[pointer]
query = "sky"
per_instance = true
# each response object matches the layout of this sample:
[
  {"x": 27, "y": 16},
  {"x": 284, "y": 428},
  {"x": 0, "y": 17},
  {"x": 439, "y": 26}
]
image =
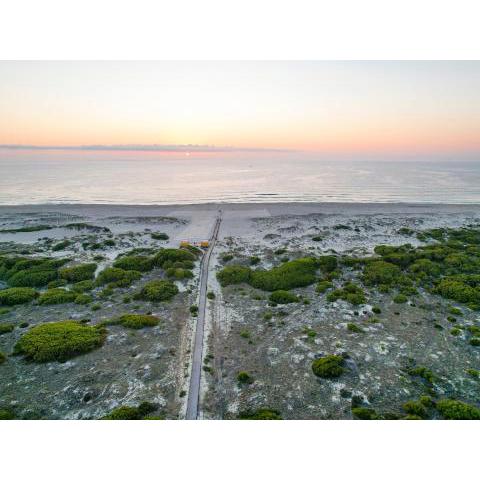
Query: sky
[{"x": 385, "y": 108}]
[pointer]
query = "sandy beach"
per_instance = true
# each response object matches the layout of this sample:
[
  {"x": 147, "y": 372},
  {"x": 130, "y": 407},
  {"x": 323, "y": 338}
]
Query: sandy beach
[{"x": 153, "y": 364}]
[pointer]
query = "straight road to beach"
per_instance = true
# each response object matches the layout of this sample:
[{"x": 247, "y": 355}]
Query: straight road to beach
[{"x": 194, "y": 390}]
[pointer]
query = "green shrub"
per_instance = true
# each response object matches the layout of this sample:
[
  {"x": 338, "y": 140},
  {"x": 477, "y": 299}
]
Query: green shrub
[
  {"x": 32, "y": 278},
  {"x": 456, "y": 410},
  {"x": 178, "y": 273},
  {"x": 283, "y": 297},
  {"x": 83, "y": 286},
  {"x": 475, "y": 342},
  {"x": 474, "y": 373},
  {"x": 117, "y": 277},
  {"x": 323, "y": 286},
  {"x": 456, "y": 290},
  {"x": 61, "y": 245},
  {"x": 426, "y": 401},
  {"x": 17, "y": 295},
  {"x": 59, "y": 282},
  {"x": 363, "y": 413},
  {"x": 7, "y": 414},
  {"x": 422, "y": 372},
  {"x": 131, "y": 413},
  {"x": 455, "y": 332},
  {"x": 352, "y": 327},
  {"x": 426, "y": 267},
  {"x": 56, "y": 296},
  {"x": 400, "y": 298},
  {"x": 233, "y": 274},
  {"x": 376, "y": 310},
  {"x": 33, "y": 228},
  {"x": 210, "y": 295},
  {"x": 350, "y": 293},
  {"x": 245, "y": 378},
  {"x": 158, "y": 291},
  {"x": 78, "y": 273},
  {"x": 455, "y": 311},
  {"x": 138, "y": 263},
  {"x": 172, "y": 255},
  {"x": 137, "y": 321},
  {"x": 3, "y": 358},
  {"x": 380, "y": 272},
  {"x": 6, "y": 328},
  {"x": 159, "y": 236},
  {"x": 415, "y": 408},
  {"x": 83, "y": 299},
  {"x": 245, "y": 334},
  {"x": 292, "y": 274},
  {"x": 59, "y": 341},
  {"x": 260, "y": 414},
  {"x": 194, "y": 310},
  {"x": 330, "y": 366}
]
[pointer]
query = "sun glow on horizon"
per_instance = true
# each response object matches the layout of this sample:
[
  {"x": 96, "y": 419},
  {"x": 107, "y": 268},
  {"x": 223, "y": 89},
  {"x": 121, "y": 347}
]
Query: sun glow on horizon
[{"x": 327, "y": 107}]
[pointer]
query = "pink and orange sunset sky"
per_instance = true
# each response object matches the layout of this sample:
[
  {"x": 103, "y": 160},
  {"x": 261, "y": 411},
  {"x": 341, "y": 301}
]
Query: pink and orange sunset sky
[{"x": 330, "y": 107}]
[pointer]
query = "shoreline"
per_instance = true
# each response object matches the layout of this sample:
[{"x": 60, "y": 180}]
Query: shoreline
[{"x": 240, "y": 205}]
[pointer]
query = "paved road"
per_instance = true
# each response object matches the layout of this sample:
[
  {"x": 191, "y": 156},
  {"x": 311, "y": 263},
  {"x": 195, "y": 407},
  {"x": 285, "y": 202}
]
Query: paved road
[{"x": 194, "y": 389}]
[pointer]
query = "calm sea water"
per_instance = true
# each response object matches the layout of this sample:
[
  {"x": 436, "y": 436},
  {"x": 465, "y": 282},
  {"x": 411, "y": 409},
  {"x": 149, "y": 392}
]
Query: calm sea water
[{"x": 142, "y": 178}]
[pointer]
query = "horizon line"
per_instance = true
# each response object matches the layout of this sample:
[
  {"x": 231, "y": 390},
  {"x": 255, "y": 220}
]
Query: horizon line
[{"x": 182, "y": 148}]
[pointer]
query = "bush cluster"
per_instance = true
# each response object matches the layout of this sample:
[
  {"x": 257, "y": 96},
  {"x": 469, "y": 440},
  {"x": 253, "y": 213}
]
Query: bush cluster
[
  {"x": 131, "y": 413},
  {"x": 260, "y": 414},
  {"x": 283, "y": 297},
  {"x": 17, "y": 295},
  {"x": 139, "y": 263},
  {"x": 157, "y": 291},
  {"x": 323, "y": 286},
  {"x": 117, "y": 277},
  {"x": 350, "y": 293},
  {"x": 330, "y": 366},
  {"x": 159, "y": 236},
  {"x": 457, "y": 410},
  {"x": 29, "y": 272},
  {"x": 6, "y": 328},
  {"x": 291, "y": 274},
  {"x": 245, "y": 378},
  {"x": 167, "y": 257},
  {"x": 78, "y": 273},
  {"x": 56, "y": 296},
  {"x": 59, "y": 341},
  {"x": 138, "y": 321}
]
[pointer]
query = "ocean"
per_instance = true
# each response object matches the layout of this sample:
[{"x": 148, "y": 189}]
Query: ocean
[{"x": 144, "y": 178}]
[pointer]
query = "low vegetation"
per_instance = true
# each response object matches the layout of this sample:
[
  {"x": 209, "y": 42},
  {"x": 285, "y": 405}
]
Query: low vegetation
[
  {"x": 117, "y": 277},
  {"x": 283, "y": 297},
  {"x": 157, "y": 291},
  {"x": 288, "y": 275},
  {"x": 260, "y": 414},
  {"x": 56, "y": 296},
  {"x": 456, "y": 410},
  {"x": 131, "y": 413},
  {"x": 6, "y": 328},
  {"x": 78, "y": 273},
  {"x": 17, "y": 295},
  {"x": 330, "y": 366},
  {"x": 59, "y": 341},
  {"x": 350, "y": 292},
  {"x": 139, "y": 263},
  {"x": 138, "y": 321}
]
